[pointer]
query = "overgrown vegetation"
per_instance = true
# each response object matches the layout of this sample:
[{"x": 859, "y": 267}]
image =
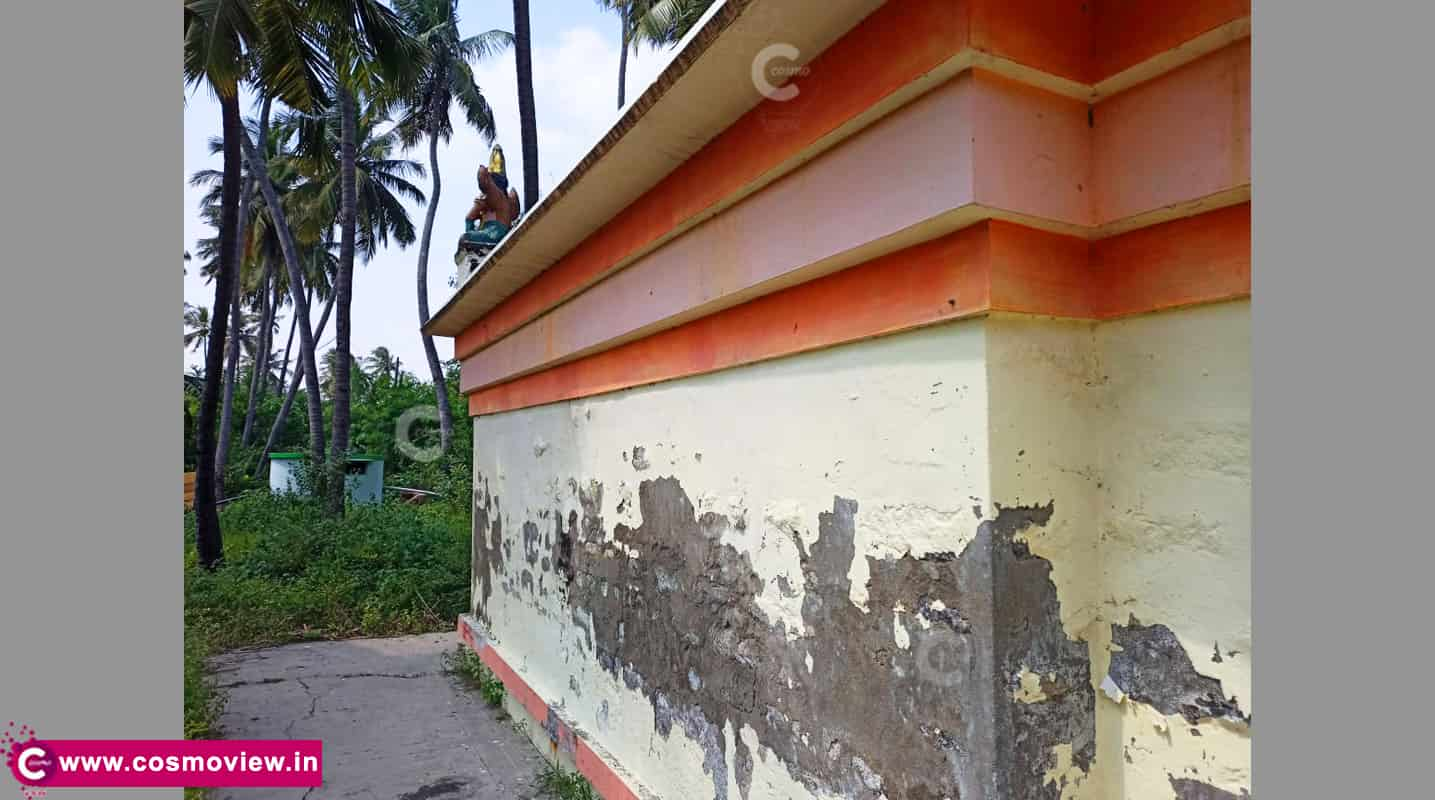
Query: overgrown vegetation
[
  {"x": 465, "y": 665},
  {"x": 558, "y": 783},
  {"x": 202, "y": 702},
  {"x": 292, "y": 572}
]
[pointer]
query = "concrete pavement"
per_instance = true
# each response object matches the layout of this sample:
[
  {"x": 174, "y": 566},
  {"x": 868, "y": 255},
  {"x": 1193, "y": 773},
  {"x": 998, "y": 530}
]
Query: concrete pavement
[{"x": 395, "y": 726}]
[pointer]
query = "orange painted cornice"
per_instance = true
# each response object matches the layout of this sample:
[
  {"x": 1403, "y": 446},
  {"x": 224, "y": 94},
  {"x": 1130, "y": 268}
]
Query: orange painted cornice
[
  {"x": 981, "y": 146},
  {"x": 991, "y": 266}
]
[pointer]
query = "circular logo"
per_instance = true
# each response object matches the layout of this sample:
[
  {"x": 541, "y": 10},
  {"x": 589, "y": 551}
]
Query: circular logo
[
  {"x": 943, "y": 657},
  {"x": 403, "y": 434},
  {"x": 34, "y": 763},
  {"x": 761, "y": 70}
]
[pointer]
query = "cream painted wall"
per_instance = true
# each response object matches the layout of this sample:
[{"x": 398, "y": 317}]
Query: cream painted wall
[
  {"x": 1176, "y": 529},
  {"x": 1136, "y": 430},
  {"x": 897, "y": 423}
]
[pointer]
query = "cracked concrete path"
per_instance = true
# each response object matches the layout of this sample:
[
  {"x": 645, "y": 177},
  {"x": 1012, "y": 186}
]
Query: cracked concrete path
[{"x": 395, "y": 726}]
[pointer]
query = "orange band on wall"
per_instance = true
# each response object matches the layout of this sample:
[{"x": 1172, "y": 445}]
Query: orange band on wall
[
  {"x": 991, "y": 266},
  {"x": 1200, "y": 259}
]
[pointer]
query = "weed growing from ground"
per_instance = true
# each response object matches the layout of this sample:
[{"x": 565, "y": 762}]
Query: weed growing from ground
[
  {"x": 469, "y": 668},
  {"x": 558, "y": 783}
]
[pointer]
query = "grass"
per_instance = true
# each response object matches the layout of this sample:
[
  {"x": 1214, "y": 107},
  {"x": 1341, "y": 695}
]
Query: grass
[
  {"x": 465, "y": 664},
  {"x": 293, "y": 573},
  {"x": 558, "y": 783}
]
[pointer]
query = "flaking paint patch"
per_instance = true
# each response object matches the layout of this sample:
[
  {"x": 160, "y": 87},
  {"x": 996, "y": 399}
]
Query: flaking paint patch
[
  {"x": 1150, "y": 666},
  {"x": 1190, "y": 789},
  {"x": 682, "y": 626},
  {"x": 1064, "y": 774},
  {"x": 1150, "y": 747},
  {"x": 900, "y": 637},
  {"x": 1029, "y": 688},
  {"x": 894, "y": 530}
]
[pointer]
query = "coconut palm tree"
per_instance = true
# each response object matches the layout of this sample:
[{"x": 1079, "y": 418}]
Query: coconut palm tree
[
  {"x": 331, "y": 371},
  {"x": 196, "y": 327},
  {"x": 666, "y": 22},
  {"x": 527, "y": 117},
  {"x": 382, "y": 363},
  {"x": 627, "y": 10},
  {"x": 245, "y": 327},
  {"x": 369, "y": 52},
  {"x": 445, "y": 77},
  {"x": 280, "y": 173},
  {"x": 657, "y": 23},
  {"x": 320, "y": 265},
  {"x": 248, "y": 288},
  {"x": 221, "y": 38},
  {"x": 216, "y": 36},
  {"x": 382, "y": 182}
]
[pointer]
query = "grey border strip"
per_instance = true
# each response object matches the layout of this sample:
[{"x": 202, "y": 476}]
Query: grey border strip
[{"x": 90, "y": 561}]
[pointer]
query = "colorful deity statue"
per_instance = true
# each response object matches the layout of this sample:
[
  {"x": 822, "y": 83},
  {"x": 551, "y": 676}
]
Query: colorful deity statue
[{"x": 494, "y": 211}]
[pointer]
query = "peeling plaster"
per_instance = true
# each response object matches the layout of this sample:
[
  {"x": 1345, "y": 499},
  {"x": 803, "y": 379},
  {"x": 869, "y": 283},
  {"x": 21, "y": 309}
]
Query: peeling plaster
[{"x": 1136, "y": 430}]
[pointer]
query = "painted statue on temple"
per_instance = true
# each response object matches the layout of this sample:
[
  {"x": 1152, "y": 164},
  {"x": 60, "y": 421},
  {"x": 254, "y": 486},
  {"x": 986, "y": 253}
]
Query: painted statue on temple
[{"x": 494, "y": 211}]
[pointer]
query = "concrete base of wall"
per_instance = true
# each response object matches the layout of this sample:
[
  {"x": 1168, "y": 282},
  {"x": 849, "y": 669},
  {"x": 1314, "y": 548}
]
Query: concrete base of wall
[{"x": 555, "y": 737}]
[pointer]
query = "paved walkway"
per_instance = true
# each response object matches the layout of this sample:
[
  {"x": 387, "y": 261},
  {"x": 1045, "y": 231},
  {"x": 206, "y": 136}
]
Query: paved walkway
[{"x": 395, "y": 726}]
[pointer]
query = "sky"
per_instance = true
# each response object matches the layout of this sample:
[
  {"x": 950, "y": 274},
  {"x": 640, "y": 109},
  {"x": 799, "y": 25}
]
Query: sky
[{"x": 575, "y": 87}]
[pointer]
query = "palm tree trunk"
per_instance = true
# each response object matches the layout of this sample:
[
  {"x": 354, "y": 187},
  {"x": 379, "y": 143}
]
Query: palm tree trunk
[
  {"x": 623, "y": 56},
  {"x": 283, "y": 417},
  {"x": 269, "y": 382},
  {"x": 445, "y": 412},
  {"x": 344, "y": 289},
  {"x": 290, "y": 249},
  {"x": 288, "y": 347},
  {"x": 276, "y": 299},
  {"x": 208, "y": 538},
  {"x": 527, "y": 119},
  {"x": 259, "y": 379},
  {"x": 231, "y": 369}
]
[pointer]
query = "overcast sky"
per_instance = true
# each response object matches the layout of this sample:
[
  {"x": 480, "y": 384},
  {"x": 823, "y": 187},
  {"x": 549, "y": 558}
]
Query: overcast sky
[{"x": 575, "y": 77}]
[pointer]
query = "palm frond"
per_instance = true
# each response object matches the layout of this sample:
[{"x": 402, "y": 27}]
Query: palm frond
[
  {"x": 485, "y": 45},
  {"x": 216, "y": 34},
  {"x": 475, "y": 106}
]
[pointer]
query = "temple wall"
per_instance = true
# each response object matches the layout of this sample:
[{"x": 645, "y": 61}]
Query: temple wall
[
  {"x": 1136, "y": 431},
  {"x": 720, "y": 530},
  {"x": 1176, "y": 553},
  {"x": 960, "y": 520},
  {"x": 784, "y": 493}
]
